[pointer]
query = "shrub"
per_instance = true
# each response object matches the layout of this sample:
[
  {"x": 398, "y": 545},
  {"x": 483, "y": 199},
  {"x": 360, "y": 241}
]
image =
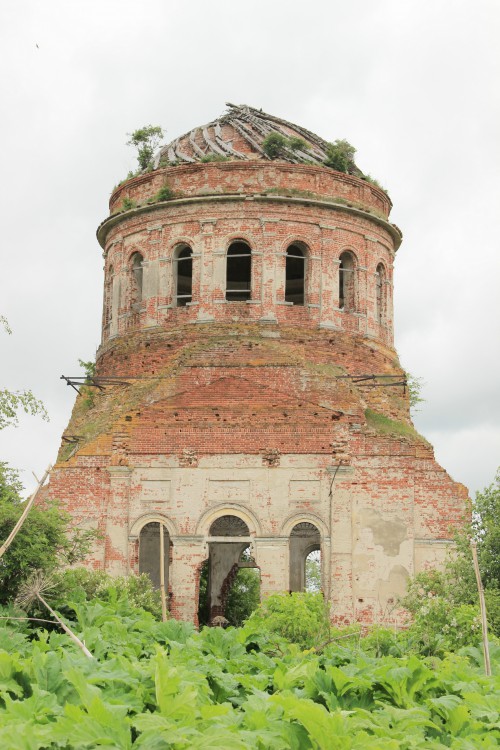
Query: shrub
[
  {"x": 340, "y": 155},
  {"x": 297, "y": 144},
  {"x": 45, "y": 541},
  {"x": 127, "y": 204},
  {"x": 165, "y": 193},
  {"x": 301, "y": 618},
  {"x": 275, "y": 145},
  {"x": 83, "y": 584}
]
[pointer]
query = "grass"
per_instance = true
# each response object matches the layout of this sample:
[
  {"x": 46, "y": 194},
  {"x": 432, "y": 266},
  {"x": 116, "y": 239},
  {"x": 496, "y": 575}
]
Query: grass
[{"x": 386, "y": 426}]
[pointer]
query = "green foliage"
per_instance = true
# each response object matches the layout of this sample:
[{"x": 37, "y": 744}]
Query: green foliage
[
  {"x": 84, "y": 584},
  {"x": 446, "y": 591},
  {"x": 415, "y": 386},
  {"x": 373, "y": 181},
  {"x": 275, "y": 145},
  {"x": 88, "y": 392},
  {"x": 313, "y": 572},
  {"x": 486, "y": 531},
  {"x": 128, "y": 204},
  {"x": 45, "y": 541},
  {"x": 302, "y": 618},
  {"x": 340, "y": 156},
  {"x": 387, "y": 426},
  {"x": 13, "y": 401},
  {"x": 213, "y": 157},
  {"x": 146, "y": 140},
  {"x": 161, "y": 685},
  {"x": 5, "y": 323},
  {"x": 244, "y": 596},
  {"x": 165, "y": 193},
  {"x": 297, "y": 144}
]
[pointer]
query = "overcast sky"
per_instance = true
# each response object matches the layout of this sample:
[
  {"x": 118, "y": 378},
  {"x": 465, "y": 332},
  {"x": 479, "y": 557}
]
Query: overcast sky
[{"x": 413, "y": 85}]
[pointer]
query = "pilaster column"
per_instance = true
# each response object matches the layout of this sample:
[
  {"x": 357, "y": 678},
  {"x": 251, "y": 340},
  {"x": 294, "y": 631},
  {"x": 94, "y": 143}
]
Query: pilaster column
[
  {"x": 188, "y": 554},
  {"x": 272, "y": 557},
  {"x": 117, "y": 521}
]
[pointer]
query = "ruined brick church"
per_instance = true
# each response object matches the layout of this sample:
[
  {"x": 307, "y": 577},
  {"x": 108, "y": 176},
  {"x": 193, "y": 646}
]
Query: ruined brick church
[{"x": 248, "y": 405}]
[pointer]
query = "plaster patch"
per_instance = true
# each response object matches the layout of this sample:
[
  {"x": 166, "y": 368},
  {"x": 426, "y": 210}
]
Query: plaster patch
[{"x": 386, "y": 533}]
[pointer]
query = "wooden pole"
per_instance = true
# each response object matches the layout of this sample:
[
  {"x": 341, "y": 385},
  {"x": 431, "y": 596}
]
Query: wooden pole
[
  {"x": 67, "y": 630},
  {"x": 25, "y": 512},
  {"x": 162, "y": 574},
  {"x": 482, "y": 605}
]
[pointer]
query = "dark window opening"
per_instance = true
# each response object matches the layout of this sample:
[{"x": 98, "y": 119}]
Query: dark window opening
[
  {"x": 238, "y": 272},
  {"x": 380, "y": 294},
  {"x": 295, "y": 275},
  {"x": 347, "y": 282},
  {"x": 137, "y": 261},
  {"x": 184, "y": 285}
]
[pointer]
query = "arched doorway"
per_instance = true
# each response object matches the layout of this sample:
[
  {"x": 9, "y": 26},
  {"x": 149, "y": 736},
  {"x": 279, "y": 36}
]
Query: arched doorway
[
  {"x": 305, "y": 539},
  {"x": 229, "y": 553}
]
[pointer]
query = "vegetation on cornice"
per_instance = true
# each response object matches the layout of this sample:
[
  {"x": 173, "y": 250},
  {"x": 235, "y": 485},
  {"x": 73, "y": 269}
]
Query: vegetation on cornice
[
  {"x": 385, "y": 426},
  {"x": 307, "y": 194}
]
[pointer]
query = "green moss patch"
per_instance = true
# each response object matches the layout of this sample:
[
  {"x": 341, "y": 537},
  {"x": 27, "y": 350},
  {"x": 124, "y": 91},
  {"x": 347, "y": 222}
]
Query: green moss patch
[{"x": 386, "y": 426}]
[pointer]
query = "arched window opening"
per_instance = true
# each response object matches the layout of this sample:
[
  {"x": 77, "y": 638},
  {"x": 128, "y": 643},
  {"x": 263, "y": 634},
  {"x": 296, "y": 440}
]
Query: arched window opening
[
  {"x": 229, "y": 526},
  {"x": 242, "y": 596},
  {"x": 108, "y": 296},
  {"x": 347, "y": 282},
  {"x": 304, "y": 540},
  {"x": 238, "y": 272},
  {"x": 313, "y": 571},
  {"x": 380, "y": 293},
  {"x": 136, "y": 268},
  {"x": 295, "y": 275},
  {"x": 228, "y": 545},
  {"x": 149, "y": 552},
  {"x": 184, "y": 277}
]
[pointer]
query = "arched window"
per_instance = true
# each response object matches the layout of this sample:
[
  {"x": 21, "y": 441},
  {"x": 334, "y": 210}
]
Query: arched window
[
  {"x": 295, "y": 275},
  {"x": 108, "y": 296},
  {"x": 150, "y": 561},
  {"x": 238, "y": 272},
  {"x": 183, "y": 276},
  {"x": 136, "y": 262},
  {"x": 347, "y": 282},
  {"x": 305, "y": 571},
  {"x": 380, "y": 278}
]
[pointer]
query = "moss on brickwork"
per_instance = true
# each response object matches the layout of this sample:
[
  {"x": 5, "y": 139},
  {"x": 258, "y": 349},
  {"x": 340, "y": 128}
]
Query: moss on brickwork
[
  {"x": 305, "y": 365},
  {"x": 306, "y": 194},
  {"x": 386, "y": 426}
]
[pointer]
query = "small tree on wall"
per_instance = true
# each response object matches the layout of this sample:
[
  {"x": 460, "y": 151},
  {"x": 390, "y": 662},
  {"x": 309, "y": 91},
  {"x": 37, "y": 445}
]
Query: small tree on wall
[{"x": 146, "y": 140}]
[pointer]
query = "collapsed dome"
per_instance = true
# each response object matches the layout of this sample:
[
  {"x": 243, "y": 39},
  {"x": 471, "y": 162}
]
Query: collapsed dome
[{"x": 241, "y": 133}]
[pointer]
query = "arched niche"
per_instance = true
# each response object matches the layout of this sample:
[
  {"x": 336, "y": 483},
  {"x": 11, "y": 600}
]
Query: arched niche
[
  {"x": 347, "y": 281},
  {"x": 150, "y": 552},
  {"x": 238, "y": 272},
  {"x": 183, "y": 275},
  {"x": 295, "y": 274},
  {"x": 136, "y": 278},
  {"x": 380, "y": 293},
  {"x": 305, "y": 538}
]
